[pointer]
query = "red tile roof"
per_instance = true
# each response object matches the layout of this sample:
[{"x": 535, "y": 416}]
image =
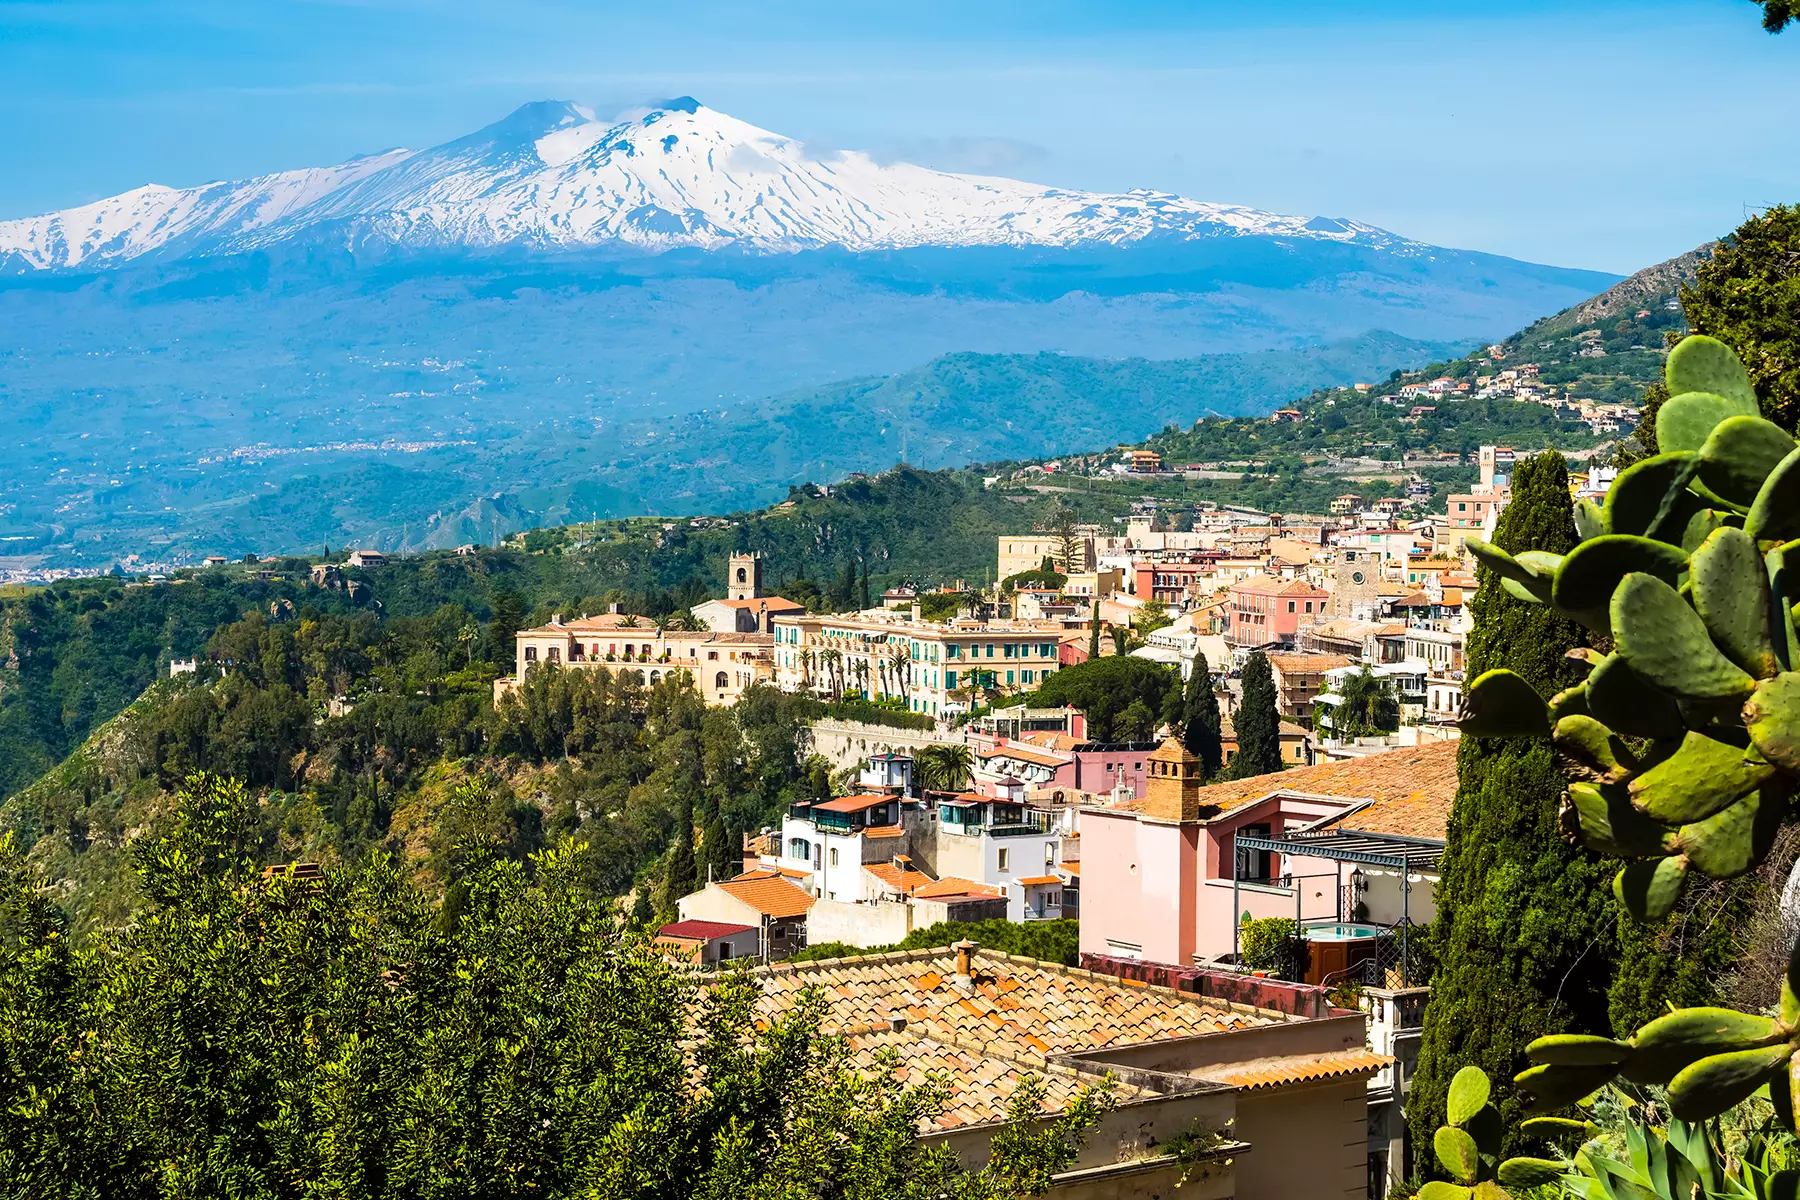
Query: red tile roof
[
  {"x": 852, "y": 804},
  {"x": 704, "y": 931}
]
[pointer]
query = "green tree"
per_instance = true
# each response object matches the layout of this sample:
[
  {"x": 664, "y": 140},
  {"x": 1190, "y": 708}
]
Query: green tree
[
  {"x": 1524, "y": 935},
  {"x": 679, "y": 873},
  {"x": 1367, "y": 706},
  {"x": 719, "y": 858},
  {"x": 1104, "y": 688},
  {"x": 1777, "y": 14},
  {"x": 278, "y": 1038},
  {"x": 506, "y": 613},
  {"x": 1258, "y": 722},
  {"x": 944, "y": 767},
  {"x": 1094, "y": 632},
  {"x": 1200, "y": 724}
]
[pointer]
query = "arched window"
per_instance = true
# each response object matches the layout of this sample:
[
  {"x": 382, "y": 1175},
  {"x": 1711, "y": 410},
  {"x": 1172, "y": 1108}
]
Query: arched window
[
  {"x": 720, "y": 681},
  {"x": 742, "y": 576}
]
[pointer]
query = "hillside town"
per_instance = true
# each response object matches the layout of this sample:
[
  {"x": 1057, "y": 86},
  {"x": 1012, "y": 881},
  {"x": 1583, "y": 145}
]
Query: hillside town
[{"x": 1042, "y": 820}]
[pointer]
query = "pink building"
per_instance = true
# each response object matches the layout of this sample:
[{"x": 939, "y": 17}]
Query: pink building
[
  {"x": 1038, "y": 759},
  {"x": 1164, "y": 879},
  {"x": 1264, "y": 610}
]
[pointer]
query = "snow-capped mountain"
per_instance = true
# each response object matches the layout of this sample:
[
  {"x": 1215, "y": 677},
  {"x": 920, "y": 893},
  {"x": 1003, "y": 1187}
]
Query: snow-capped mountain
[{"x": 679, "y": 174}]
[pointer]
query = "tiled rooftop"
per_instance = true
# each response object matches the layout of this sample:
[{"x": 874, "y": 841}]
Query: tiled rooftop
[
  {"x": 1411, "y": 788},
  {"x": 768, "y": 893},
  {"x": 1303, "y": 664},
  {"x": 903, "y": 880},
  {"x": 1005, "y": 1022},
  {"x": 1296, "y": 1068}
]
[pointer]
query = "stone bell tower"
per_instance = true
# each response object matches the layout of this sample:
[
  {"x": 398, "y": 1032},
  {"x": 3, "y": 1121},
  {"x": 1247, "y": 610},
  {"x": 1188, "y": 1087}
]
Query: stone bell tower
[
  {"x": 1172, "y": 786},
  {"x": 744, "y": 577}
]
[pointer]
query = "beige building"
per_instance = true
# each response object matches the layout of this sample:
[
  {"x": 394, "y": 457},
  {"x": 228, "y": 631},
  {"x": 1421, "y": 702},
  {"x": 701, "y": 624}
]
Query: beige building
[
  {"x": 722, "y": 665},
  {"x": 1027, "y": 552},
  {"x": 932, "y": 666}
]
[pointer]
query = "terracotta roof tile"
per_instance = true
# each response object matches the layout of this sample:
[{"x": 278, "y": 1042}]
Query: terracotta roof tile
[
  {"x": 851, "y": 804},
  {"x": 905, "y": 881},
  {"x": 1411, "y": 788},
  {"x": 768, "y": 893},
  {"x": 987, "y": 1034},
  {"x": 1298, "y": 1068},
  {"x": 1036, "y": 880},
  {"x": 1307, "y": 663},
  {"x": 952, "y": 885}
]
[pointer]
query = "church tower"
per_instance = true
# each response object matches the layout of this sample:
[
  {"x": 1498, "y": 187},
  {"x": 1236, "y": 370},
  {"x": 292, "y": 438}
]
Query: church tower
[
  {"x": 1356, "y": 588},
  {"x": 744, "y": 578}
]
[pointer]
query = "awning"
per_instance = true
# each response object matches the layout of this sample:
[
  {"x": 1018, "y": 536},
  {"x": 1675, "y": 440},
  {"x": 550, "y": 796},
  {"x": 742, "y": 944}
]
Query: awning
[{"x": 1368, "y": 849}]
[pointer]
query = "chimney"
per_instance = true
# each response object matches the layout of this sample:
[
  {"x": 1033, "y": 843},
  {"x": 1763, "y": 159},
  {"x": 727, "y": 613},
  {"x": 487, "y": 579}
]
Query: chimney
[
  {"x": 965, "y": 963},
  {"x": 917, "y": 613},
  {"x": 615, "y": 608},
  {"x": 896, "y": 1020}
]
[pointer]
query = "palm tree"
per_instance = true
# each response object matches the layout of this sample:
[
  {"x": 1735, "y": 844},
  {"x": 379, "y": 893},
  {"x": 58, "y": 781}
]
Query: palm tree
[
  {"x": 901, "y": 661},
  {"x": 944, "y": 767}
]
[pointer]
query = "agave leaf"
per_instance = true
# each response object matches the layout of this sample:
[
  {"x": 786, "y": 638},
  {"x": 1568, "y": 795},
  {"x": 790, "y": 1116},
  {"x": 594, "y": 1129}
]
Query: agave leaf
[
  {"x": 1649, "y": 889},
  {"x": 1738, "y": 456},
  {"x": 1604, "y": 819},
  {"x": 1773, "y": 717},
  {"x": 1708, "y": 1087},
  {"x": 1469, "y": 1091},
  {"x": 1704, "y": 776},
  {"x": 1684, "y": 422},
  {"x": 1775, "y": 513},
  {"x": 1731, "y": 594},
  {"x": 1699, "y": 363},
  {"x": 1591, "y": 572},
  {"x": 1501, "y": 704},
  {"x": 1627, "y": 704},
  {"x": 1732, "y": 841},
  {"x": 1666, "y": 642}
]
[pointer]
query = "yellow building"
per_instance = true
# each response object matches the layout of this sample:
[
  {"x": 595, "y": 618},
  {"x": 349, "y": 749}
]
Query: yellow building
[
  {"x": 932, "y": 666},
  {"x": 722, "y": 665}
]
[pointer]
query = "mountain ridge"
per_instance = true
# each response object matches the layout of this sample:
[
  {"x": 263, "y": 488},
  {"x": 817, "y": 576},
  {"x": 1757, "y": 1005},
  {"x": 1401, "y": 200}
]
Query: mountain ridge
[{"x": 552, "y": 175}]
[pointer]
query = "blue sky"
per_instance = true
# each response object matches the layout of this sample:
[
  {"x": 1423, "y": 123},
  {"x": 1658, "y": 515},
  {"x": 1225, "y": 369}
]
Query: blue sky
[{"x": 1598, "y": 134}]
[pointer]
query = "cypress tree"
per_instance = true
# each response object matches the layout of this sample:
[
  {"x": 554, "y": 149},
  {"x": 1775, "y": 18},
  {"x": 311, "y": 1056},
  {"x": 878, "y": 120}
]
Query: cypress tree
[
  {"x": 1200, "y": 718},
  {"x": 679, "y": 873},
  {"x": 1258, "y": 722},
  {"x": 862, "y": 590},
  {"x": 1525, "y": 933},
  {"x": 1094, "y": 633},
  {"x": 715, "y": 852}
]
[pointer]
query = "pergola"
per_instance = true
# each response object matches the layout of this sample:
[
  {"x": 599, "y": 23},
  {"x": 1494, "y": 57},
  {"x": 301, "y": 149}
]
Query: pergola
[{"x": 1403, "y": 855}]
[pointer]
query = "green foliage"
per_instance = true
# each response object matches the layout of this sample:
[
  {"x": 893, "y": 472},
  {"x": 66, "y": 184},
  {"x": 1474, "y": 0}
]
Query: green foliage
[
  {"x": 1054, "y": 941},
  {"x": 1200, "y": 724},
  {"x": 1271, "y": 944},
  {"x": 1369, "y": 707},
  {"x": 944, "y": 766},
  {"x": 1523, "y": 935},
  {"x": 1121, "y": 695},
  {"x": 1038, "y": 577},
  {"x": 1257, "y": 722},
  {"x": 1777, "y": 14},
  {"x": 1706, "y": 799},
  {"x": 1748, "y": 296},
  {"x": 274, "y": 1037},
  {"x": 1467, "y": 1146}
]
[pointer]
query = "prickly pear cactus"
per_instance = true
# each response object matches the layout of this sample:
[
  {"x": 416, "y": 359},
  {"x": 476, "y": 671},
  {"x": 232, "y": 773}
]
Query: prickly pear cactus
[
  {"x": 1681, "y": 746},
  {"x": 1468, "y": 1148}
]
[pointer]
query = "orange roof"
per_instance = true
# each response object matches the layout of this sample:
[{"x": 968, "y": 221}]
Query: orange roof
[
  {"x": 1027, "y": 754},
  {"x": 903, "y": 880},
  {"x": 768, "y": 893},
  {"x": 772, "y": 603},
  {"x": 1073, "y": 868},
  {"x": 984, "y": 1035},
  {"x": 1411, "y": 789},
  {"x": 951, "y": 885},
  {"x": 1299, "y": 1068},
  {"x": 885, "y": 831},
  {"x": 1304, "y": 664},
  {"x": 1038, "y": 880},
  {"x": 1049, "y": 738},
  {"x": 852, "y": 804}
]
